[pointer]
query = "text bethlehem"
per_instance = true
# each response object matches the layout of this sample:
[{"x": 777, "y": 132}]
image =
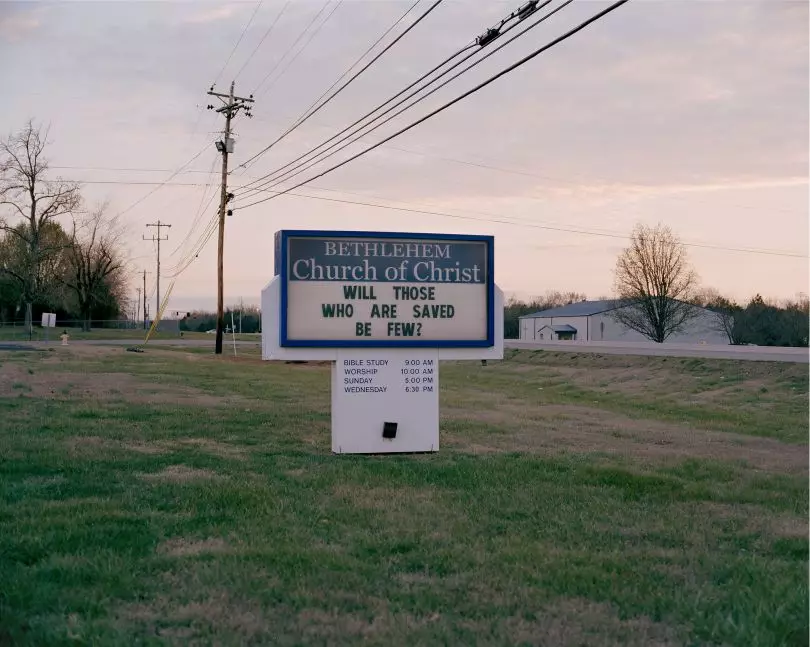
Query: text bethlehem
[{"x": 414, "y": 265}]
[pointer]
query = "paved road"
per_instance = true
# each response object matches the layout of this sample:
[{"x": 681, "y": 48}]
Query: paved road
[
  {"x": 15, "y": 346},
  {"x": 194, "y": 343},
  {"x": 748, "y": 353}
]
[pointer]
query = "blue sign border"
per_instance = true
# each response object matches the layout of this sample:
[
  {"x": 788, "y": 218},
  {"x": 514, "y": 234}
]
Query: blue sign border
[{"x": 281, "y": 263}]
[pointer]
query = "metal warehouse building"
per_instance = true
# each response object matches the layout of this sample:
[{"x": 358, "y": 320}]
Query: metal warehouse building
[{"x": 593, "y": 321}]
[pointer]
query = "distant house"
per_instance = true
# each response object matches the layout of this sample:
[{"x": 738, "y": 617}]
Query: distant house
[{"x": 593, "y": 321}]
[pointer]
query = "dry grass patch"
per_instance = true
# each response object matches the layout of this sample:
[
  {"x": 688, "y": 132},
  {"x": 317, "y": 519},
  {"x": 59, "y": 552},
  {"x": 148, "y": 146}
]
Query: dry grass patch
[
  {"x": 213, "y": 447},
  {"x": 569, "y": 623},
  {"x": 83, "y": 445},
  {"x": 332, "y": 625},
  {"x": 95, "y": 444},
  {"x": 217, "y": 613},
  {"x": 573, "y": 622},
  {"x": 550, "y": 429},
  {"x": 148, "y": 448},
  {"x": 179, "y": 474},
  {"x": 45, "y": 480},
  {"x": 100, "y": 387},
  {"x": 752, "y": 518},
  {"x": 182, "y": 547}
]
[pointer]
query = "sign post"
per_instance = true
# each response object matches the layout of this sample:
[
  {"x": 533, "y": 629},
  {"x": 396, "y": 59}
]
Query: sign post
[
  {"x": 385, "y": 308},
  {"x": 48, "y": 321}
]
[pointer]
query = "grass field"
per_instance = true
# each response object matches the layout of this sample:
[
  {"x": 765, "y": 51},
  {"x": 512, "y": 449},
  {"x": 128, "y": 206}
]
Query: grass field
[{"x": 171, "y": 497}]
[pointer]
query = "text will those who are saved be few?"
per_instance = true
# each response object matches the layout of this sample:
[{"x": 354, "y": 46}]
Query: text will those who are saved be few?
[{"x": 390, "y": 311}]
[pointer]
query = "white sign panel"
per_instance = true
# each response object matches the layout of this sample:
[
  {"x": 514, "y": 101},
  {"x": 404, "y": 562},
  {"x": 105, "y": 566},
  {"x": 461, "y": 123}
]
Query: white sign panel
[
  {"x": 373, "y": 290},
  {"x": 385, "y": 401},
  {"x": 48, "y": 319}
]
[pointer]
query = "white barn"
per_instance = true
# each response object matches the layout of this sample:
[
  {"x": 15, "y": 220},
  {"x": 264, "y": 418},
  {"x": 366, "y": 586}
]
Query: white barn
[{"x": 593, "y": 321}]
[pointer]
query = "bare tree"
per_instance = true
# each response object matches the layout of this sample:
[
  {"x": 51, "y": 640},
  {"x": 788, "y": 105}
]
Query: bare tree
[
  {"x": 726, "y": 313},
  {"x": 97, "y": 263},
  {"x": 27, "y": 194},
  {"x": 655, "y": 283}
]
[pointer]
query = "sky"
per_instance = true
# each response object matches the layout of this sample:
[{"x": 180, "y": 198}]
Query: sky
[{"x": 690, "y": 113}]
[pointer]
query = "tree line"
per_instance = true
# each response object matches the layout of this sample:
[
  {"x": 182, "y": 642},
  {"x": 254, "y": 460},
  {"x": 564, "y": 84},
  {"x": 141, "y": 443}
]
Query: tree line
[
  {"x": 246, "y": 319},
  {"x": 760, "y": 321},
  {"x": 658, "y": 294},
  {"x": 56, "y": 255}
]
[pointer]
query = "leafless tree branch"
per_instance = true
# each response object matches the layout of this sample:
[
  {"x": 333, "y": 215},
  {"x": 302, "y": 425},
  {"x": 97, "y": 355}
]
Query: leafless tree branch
[
  {"x": 34, "y": 202},
  {"x": 655, "y": 283}
]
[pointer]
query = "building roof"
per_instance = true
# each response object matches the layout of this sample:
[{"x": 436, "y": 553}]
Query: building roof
[
  {"x": 564, "y": 328},
  {"x": 579, "y": 309}
]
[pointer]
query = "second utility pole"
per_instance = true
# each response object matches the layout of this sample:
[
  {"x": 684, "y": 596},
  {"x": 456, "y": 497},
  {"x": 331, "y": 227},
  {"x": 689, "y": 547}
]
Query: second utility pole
[
  {"x": 231, "y": 105},
  {"x": 157, "y": 224},
  {"x": 144, "y": 299}
]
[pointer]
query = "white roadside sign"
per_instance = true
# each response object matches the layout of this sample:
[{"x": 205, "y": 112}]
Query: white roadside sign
[{"x": 384, "y": 308}]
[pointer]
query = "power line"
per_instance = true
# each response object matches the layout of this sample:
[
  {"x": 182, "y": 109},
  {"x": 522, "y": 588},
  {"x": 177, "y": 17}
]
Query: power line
[
  {"x": 300, "y": 36},
  {"x": 421, "y": 78},
  {"x": 443, "y": 107},
  {"x": 306, "y": 44},
  {"x": 190, "y": 252},
  {"x": 501, "y": 219},
  {"x": 117, "y": 168},
  {"x": 196, "y": 249},
  {"x": 200, "y": 208},
  {"x": 162, "y": 184},
  {"x": 266, "y": 34},
  {"x": 241, "y": 36},
  {"x": 324, "y": 154},
  {"x": 455, "y": 160},
  {"x": 272, "y": 181},
  {"x": 142, "y": 183},
  {"x": 306, "y": 114},
  {"x": 309, "y": 112}
]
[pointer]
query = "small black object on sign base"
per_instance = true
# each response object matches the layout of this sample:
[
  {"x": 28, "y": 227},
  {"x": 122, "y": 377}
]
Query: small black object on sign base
[{"x": 390, "y": 430}]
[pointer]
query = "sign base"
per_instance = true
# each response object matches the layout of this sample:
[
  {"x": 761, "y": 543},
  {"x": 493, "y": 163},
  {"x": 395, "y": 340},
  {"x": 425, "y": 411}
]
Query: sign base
[{"x": 385, "y": 401}]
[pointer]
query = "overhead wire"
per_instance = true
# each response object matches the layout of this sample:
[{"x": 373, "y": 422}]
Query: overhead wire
[
  {"x": 452, "y": 102},
  {"x": 200, "y": 210},
  {"x": 165, "y": 182},
  {"x": 444, "y": 158},
  {"x": 309, "y": 112},
  {"x": 142, "y": 183},
  {"x": 474, "y": 46},
  {"x": 241, "y": 36},
  {"x": 266, "y": 34},
  {"x": 278, "y": 176},
  {"x": 194, "y": 252},
  {"x": 306, "y": 114},
  {"x": 286, "y": 53},
  {"x": 514, "y": 221},
  {"x": 306, "y": 44}
]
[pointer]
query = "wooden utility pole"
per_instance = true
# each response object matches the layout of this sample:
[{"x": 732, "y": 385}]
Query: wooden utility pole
[
  {"x": 157, "y": 238},
  {"x": 144, "y": 299},
  {"x": 137, "y": 312},
  {"x": 231, "y": 105}
]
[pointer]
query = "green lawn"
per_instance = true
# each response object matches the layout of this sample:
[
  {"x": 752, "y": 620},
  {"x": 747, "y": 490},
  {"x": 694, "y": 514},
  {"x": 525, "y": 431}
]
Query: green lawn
[{"x": 173, "y": 497}]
